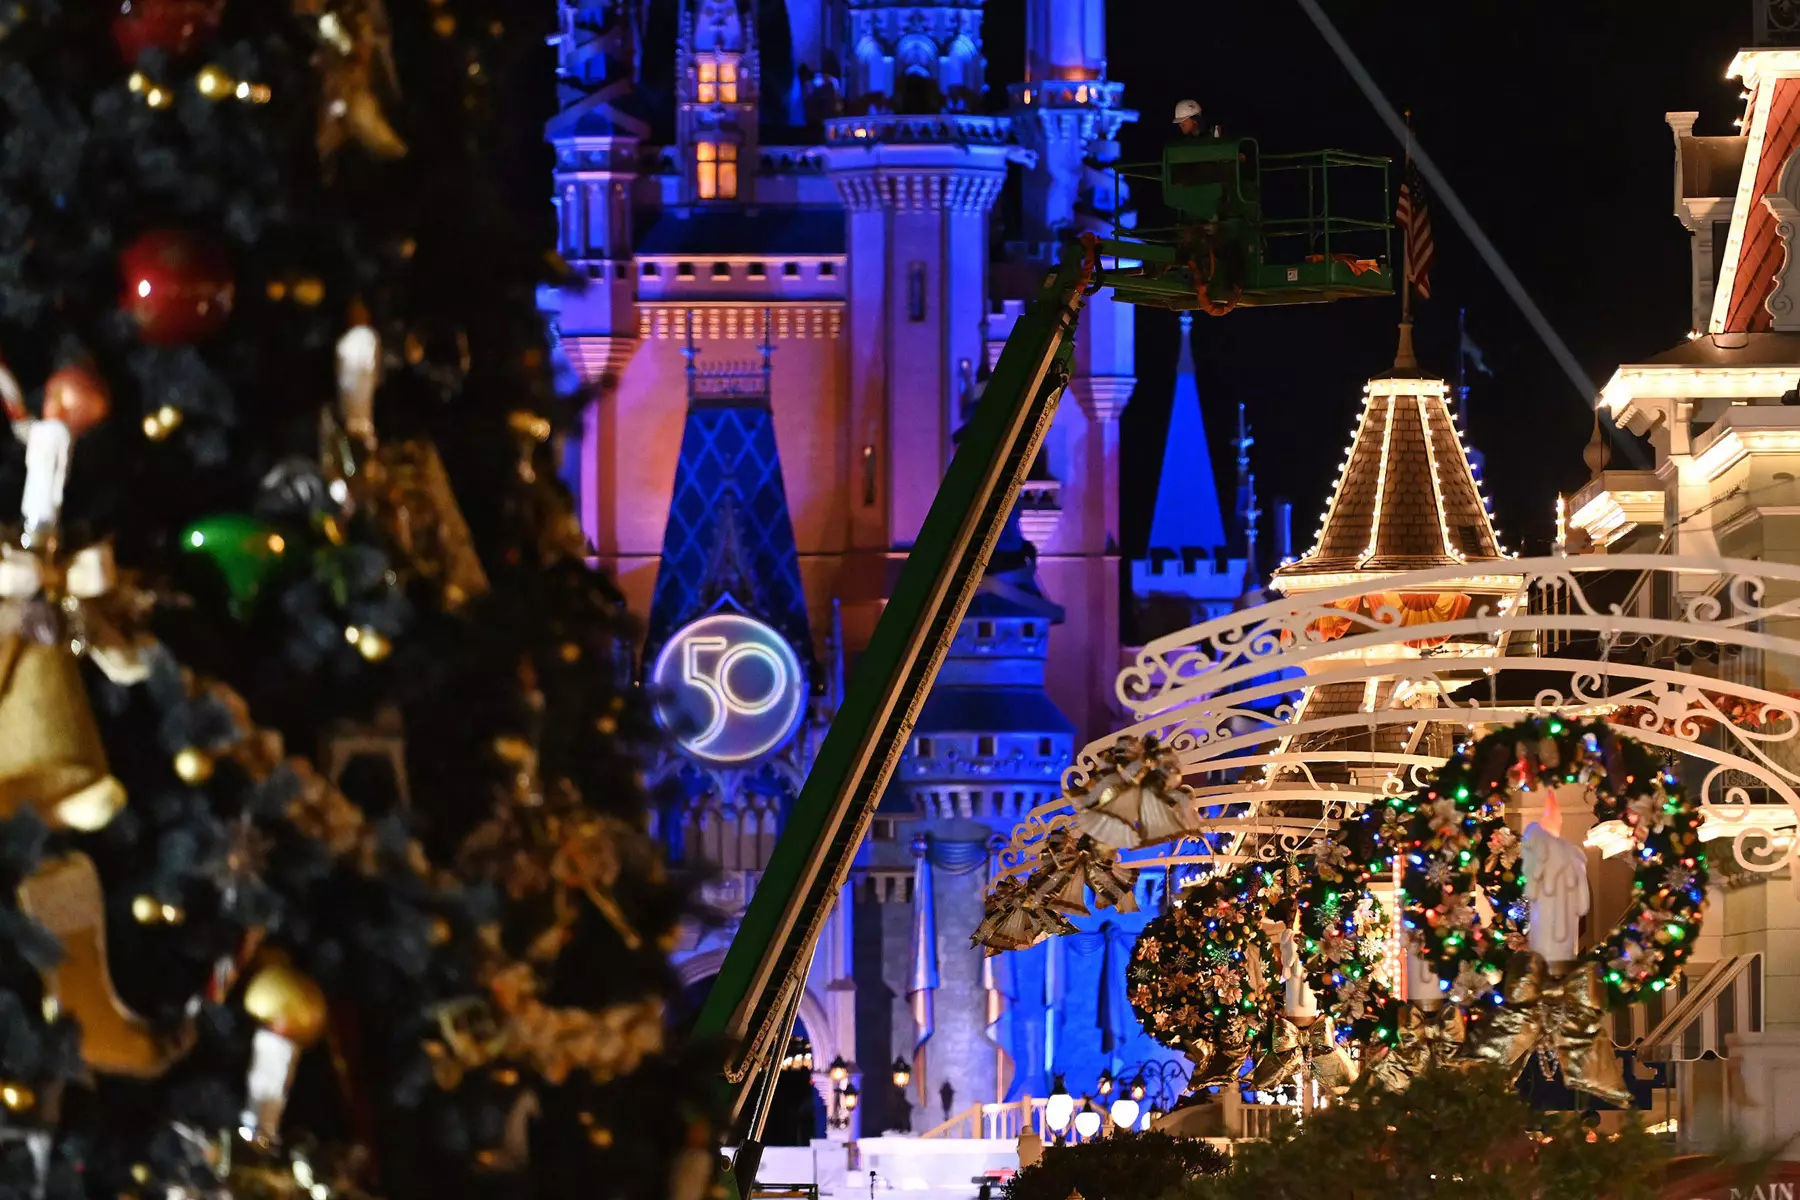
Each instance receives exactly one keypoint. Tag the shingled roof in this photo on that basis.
(1407, 499)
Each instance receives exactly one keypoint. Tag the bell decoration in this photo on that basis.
(1114, 885)
(1060, 886)
(1166, 811)
(1013, 921)
(1107, 809)
(64, 897)
(51, 758)
(293, 1014)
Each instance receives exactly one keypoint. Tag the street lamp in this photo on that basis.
(851, 1096)
(1087, 1121)
(843, 1093)
(839, 1069)
(902, 1073)
(1059, 1108)
(1124, 1113)
(1106, 1083)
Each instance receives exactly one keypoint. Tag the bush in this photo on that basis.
(1125, 1166)
(1453, 1132)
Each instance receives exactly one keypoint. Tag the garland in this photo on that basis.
(1200, 973)
(1457, 848)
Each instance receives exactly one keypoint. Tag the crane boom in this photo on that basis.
(772, 951)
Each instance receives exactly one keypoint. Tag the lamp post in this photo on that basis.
(844, 1093)
(1153, 1090)
(1087, 1121)
(1058, 1109)
(902, 1074)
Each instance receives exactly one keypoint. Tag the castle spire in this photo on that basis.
(1187, 512)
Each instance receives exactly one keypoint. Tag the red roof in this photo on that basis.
(1762, 253)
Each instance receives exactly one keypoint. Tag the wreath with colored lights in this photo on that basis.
(1199, 974)
(1456, 847)
(1343, 932)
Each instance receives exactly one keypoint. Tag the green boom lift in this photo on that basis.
(1222, 251)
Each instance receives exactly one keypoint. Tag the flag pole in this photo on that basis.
(1405, 359)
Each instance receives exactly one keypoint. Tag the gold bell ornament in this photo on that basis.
(51, 759)
(293, 1015)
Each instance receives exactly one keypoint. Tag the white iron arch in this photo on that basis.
(1547, 640)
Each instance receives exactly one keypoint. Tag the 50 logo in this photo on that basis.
(729, 688)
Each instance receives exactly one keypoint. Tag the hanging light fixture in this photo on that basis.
(1124, 1113)
(1105, 1085)
(1087, 1121)
(902, 1073)
(1137, 1088)
(840, 1070)
(851, 1096)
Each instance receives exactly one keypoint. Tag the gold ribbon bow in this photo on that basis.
(85, 608)
(1424, 1039)
(1564, 1018)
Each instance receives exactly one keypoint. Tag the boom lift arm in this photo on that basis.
(752, 1000)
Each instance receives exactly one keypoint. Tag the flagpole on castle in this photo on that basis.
(1405, 359)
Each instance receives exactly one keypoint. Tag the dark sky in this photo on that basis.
(1547, 118)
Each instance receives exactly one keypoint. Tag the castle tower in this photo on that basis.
(717, 81)
(596, 139)
(917, 175)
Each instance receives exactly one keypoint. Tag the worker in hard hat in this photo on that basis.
(1187, 119)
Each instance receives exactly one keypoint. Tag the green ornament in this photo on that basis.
(245, 551)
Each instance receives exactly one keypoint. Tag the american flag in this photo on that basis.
(1414, 220)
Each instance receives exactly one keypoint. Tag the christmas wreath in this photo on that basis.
(1343, 933)
(1200, 973)
(1458, 852)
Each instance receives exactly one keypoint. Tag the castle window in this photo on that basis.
(984, 629)
(984, 746)
(1030, 630)
(684, 270)
(715, 170)
(1043, 747)
(790, 270)
(915, 292)
(924, 747)
(717, 80)
(651, 270)
(721, 270)
(827, 270)
(758, 271)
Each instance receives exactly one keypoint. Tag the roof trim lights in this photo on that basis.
(1746, 67)
(1437, 487)
(1387, 435)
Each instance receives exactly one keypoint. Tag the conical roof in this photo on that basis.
(1187, 495)
(1406, 499)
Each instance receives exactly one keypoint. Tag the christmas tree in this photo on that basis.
(321, 810)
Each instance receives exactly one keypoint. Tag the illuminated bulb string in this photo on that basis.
(1387, 433)
(1437, 491)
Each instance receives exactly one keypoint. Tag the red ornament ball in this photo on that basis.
(176, 27)
(77, 397)
(178, 286)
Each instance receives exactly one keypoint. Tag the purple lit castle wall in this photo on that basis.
(790, 300)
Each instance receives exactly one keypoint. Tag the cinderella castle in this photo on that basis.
(790, 216)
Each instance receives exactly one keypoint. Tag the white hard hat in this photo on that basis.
(1187, 109)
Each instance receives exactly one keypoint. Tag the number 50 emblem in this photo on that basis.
(729, 688)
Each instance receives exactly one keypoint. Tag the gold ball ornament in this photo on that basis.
(309, 292)
(287, 1002)
(146, 909)
(194, 766)
(163, 422)
(369, 641)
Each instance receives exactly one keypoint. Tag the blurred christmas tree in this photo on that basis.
(321, 858)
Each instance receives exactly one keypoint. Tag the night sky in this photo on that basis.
(1546, 116)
